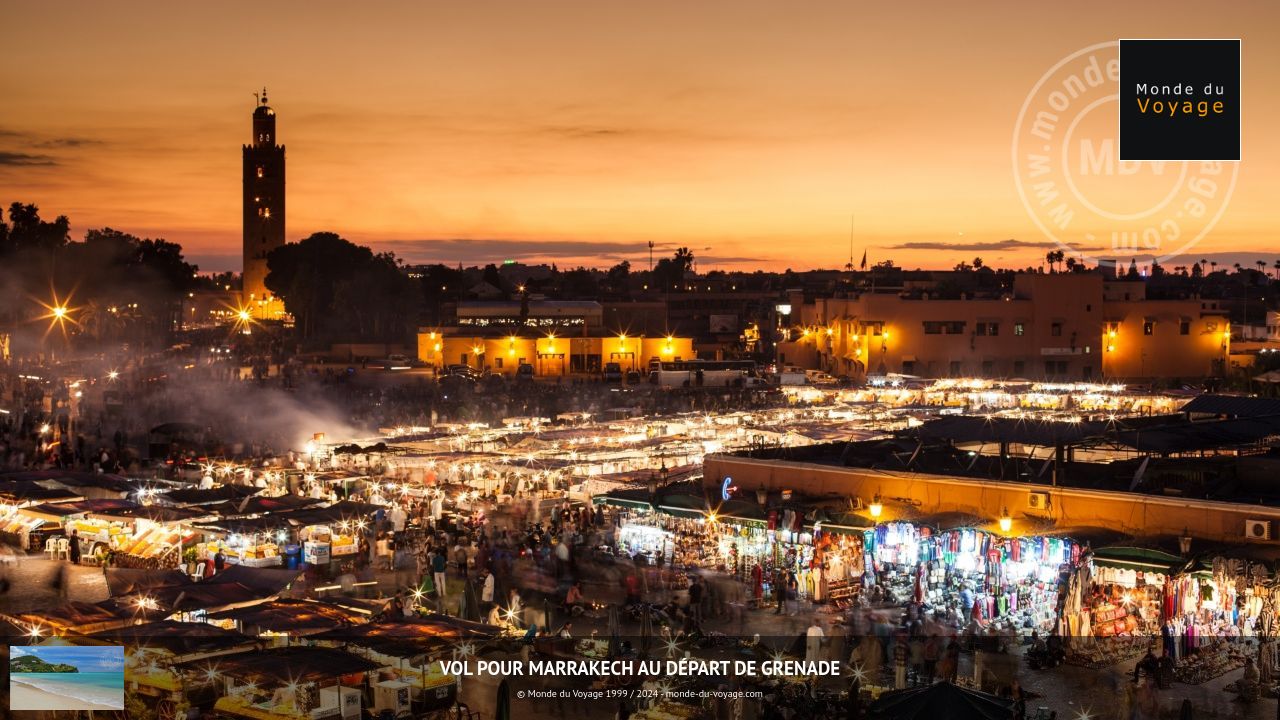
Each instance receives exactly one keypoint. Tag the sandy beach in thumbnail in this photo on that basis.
(23, 696)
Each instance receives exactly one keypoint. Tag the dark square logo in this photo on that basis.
(1179, 99)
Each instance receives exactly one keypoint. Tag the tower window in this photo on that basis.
(266, 212)
(259, 171)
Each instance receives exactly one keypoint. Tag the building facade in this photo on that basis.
(264, 211)
(555, 337)
(1068, 327)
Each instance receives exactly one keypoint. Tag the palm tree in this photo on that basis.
(1277, 267)
(1213, 266)
(1262, 266)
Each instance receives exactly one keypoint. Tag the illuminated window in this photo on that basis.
(259, 171)
(266, 212)
(1148, 328)
(1019, 329)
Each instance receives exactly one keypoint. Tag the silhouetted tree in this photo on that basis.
(669, 273)
(337, 289)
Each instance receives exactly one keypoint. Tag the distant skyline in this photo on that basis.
(576, 132)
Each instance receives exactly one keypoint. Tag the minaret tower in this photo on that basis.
(263, 210)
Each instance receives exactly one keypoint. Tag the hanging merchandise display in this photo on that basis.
(1121, 602)
(969, 575)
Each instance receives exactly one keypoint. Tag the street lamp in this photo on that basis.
(1184, 543)
(1006, 522)
(876, 507)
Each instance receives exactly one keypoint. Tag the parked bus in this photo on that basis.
(705, 373)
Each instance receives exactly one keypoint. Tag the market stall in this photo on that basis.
(157, 538)
(968, 574)
(408, 651)
(293, 682)
(154, 649)
(1122, 601)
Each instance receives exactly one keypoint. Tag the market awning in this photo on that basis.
(1141, 559)
(1022, 431)
(128, 581)
(629, 500)
(941, 700)
(296, 617)
(695, 506)
(208, 496)
(74, 616)
(155, 513)
(1203, 435)
(179, 638)
(20, 491)
(257, 504)
(58, 511)
(73, 479)
(284, 665)
(412, 637)
(1240, 406)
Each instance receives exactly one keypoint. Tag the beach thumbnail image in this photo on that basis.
(66, 677)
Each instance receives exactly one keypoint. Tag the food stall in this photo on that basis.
(23, 531)
(408, 650)
(97, 533)
(325, 543)
(153, 650)
(289, 682)
(158, 534)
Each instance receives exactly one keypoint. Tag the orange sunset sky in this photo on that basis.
(577, 132)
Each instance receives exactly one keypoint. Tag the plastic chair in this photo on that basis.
(51, 547)
(64, 548)
(199, 573)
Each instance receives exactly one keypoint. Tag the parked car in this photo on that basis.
(524, 373)
(612, 372)
(463, 371)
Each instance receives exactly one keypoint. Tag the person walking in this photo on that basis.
(486, 591)
(899, 663)
(73, 548)
(780, 589)
(439, 564)
(813, 642)
(695, 598)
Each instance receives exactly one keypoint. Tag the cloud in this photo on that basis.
(979, 245)
(592, 253)
(17, 159)
(67, 142)
(586, 132)
(17, 651)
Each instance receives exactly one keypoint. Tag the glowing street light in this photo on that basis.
(1006, 522)
(876, 507)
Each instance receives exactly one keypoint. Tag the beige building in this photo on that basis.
(1070, 326)
(549, 354)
